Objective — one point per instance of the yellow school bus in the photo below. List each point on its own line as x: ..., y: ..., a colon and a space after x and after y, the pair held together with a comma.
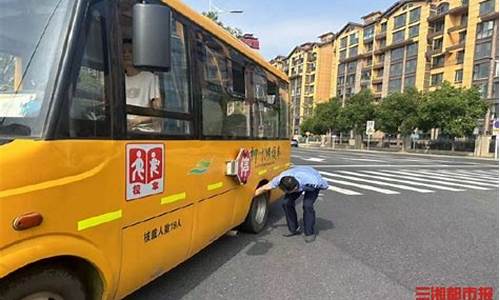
x: 112, y: 174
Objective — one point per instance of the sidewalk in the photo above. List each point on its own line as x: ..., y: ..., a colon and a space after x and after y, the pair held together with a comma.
x: 466, y: 155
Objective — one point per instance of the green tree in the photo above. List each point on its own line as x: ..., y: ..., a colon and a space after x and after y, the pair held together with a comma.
x: 358, y: 109
x: 398, y: 113
x: 454, y: 110
x: 214, y: 16
x: 324, y: 118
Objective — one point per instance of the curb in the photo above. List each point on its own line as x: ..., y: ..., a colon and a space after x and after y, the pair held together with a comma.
x: 398, y: 153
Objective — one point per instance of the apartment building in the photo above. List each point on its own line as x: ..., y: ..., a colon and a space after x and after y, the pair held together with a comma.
x: 418, y: 43
x: 308, y: 67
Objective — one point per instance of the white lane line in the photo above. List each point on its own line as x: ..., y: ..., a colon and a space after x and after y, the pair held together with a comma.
x: 434, y: 180
x: 314, y: 159
x: 453, y: 177
x: 365, y: 159
x: 343, y: 191
x: 469, y: 174
x: 379, y: 177
x: 362, y: 186
x: 399, y: 186
x: 295, y: 156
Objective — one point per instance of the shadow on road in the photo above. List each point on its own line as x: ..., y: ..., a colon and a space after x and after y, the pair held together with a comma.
x: 179, y: 281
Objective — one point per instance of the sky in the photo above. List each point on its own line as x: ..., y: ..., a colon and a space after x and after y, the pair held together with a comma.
x: 281, y: 25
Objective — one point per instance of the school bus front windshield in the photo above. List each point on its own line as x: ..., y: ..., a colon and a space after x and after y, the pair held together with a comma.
x: 30, y: 39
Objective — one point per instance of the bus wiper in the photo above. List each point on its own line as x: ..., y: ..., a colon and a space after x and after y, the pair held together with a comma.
x: 15, y: 129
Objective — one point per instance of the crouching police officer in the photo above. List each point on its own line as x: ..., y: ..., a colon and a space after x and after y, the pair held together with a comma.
x: 294, y: 182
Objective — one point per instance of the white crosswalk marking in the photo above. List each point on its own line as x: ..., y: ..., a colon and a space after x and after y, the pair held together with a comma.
x: 471, y: 173
x: 455, y: 178
x: 429, y: 180
x: 399, y: 186
x: 343, y: 191
x: 380, y: 176
x: 468, y: 175
x: 362, y: 186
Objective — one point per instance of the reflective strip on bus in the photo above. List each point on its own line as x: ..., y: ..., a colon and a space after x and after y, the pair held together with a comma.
x: 262, y: 172
x: 173, y: 198
x: 98, y: 220
x: 215, y: 186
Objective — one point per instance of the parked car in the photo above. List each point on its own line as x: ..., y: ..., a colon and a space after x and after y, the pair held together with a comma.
x: 294, y: 143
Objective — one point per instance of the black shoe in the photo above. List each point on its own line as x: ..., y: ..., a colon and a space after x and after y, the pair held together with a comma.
x: 310, y: 238
x: 296, y: 232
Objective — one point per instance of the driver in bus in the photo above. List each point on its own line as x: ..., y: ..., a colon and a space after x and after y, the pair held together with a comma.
x: 142, y: 89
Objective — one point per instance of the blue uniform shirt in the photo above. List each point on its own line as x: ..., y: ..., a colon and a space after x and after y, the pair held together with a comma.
x: 309, y: 179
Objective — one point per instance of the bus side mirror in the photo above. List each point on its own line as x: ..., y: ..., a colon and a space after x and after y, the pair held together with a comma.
x: 151, y: 36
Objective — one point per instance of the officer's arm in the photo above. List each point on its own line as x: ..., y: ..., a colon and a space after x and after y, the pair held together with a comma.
x: 264, y: 188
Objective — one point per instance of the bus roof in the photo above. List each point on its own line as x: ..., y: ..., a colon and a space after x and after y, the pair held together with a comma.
x: 225, y: 36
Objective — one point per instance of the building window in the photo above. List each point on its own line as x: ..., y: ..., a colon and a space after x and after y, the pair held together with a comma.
x: 351, y: 67
x: 368, y: 32
x: 366, y: 75
x: 413, y: 31
x: 412, y: 50
x: 340, y: 80
x: 411, y: 66
x: 483, y: 50
x: 438, y: 26
x: 380, y: 58
x: 369, y: 46
x: 483, y: 89
x: 353, y: 51
x: 351, y: 79
x: 379, y: 73
x: 437, y: 44
x: 414, y: 15
x: 495, y: 90
x: 436, y: 79
x: 383, y: 27
x: 463, y: 20
x: 343, y: 54
x: 341, y: 69
x: 378, y: 87
x: 481, y: 70
x: 409, y: 81
x: 484, y: 30
x: 460, y: 57
x: 459, y: 75
x: 399, y: 21
x: 486, y: 7
x: 397, y: 54
x: 343, y: 42
x: 382, y: 43
x: 398, y: 36
x: 462, y: 36
x: 353, y: 39
x: 438, y: 61
x: 396, y: 69
x: 442, y: 8
x: 395, y: 85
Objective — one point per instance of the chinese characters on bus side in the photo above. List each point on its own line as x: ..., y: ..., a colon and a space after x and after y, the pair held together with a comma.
x: 161, y: 230
x: 145, y: 170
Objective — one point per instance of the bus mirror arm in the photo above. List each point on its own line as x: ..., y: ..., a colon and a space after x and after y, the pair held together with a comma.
x: 151, y: 37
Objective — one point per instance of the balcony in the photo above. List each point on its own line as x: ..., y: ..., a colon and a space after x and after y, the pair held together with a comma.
x: 458, y: 46
x: 377, y: 80
x: 462, y: 8
x: 436, y: 17
x: 378, y: 65
x: 432, y: 35
x: 457, y: 28
x: 489, y: 16
x: 381, y: 35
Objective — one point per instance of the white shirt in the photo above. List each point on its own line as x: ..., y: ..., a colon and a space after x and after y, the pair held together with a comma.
x: 141, y: 88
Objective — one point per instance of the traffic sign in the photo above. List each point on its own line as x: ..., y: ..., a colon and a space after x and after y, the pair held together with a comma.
x: 244, y: 165
x: 495, y: 127
x: 370, y: 127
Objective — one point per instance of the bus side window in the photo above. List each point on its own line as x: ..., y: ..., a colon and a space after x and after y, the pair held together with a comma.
x: 89, y: 111
x: 265, y: 106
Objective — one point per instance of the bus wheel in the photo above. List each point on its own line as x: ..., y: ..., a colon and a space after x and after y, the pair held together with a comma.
x: 257, y: 215
x: 43, y: 283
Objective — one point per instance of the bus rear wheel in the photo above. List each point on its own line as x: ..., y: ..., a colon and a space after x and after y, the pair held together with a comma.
x: 257, y: 215
x: 43, y: 283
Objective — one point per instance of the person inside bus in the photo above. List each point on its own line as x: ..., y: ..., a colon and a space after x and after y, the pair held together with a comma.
x: 293, y: 182
x: 142, y: 89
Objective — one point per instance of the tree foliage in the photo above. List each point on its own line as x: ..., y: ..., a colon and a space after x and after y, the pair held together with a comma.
x: 398, y: 112
x: 358, y: 109
x: 324, y: 118
x: 454, y: 110
x: 214, y: 16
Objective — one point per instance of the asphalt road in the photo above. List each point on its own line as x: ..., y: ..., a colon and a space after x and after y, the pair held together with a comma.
x: 388, y: 224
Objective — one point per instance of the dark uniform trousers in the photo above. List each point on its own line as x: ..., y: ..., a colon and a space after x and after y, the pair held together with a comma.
x: 310, y: 196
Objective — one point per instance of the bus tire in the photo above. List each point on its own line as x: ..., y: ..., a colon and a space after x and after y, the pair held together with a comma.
x: 257, y: 215
x: 43, y: 282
